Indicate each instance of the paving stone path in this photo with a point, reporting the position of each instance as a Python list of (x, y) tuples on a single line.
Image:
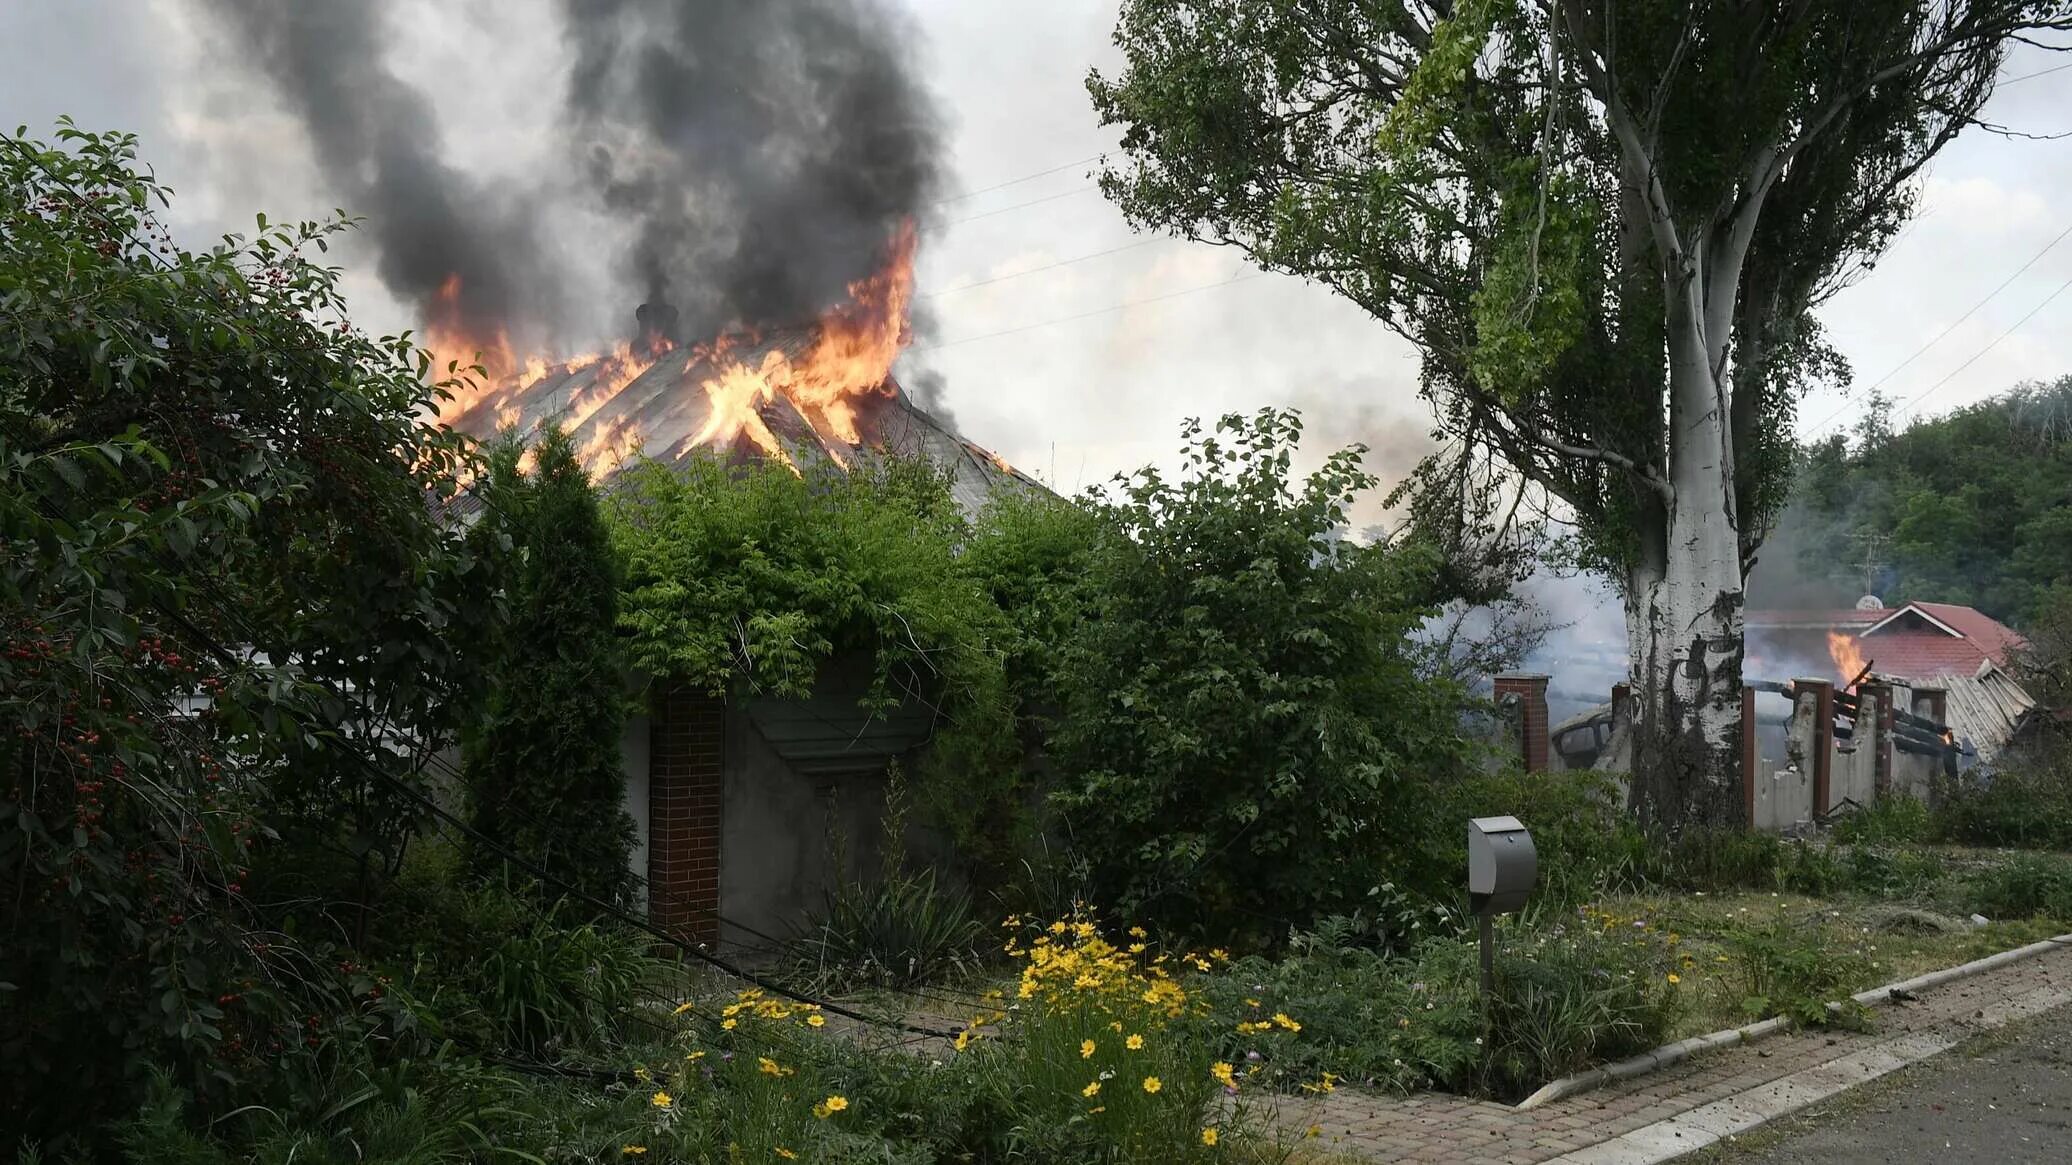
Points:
[(1653, 1117)]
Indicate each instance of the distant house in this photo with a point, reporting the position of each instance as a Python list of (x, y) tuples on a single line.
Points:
[(1926, 647)]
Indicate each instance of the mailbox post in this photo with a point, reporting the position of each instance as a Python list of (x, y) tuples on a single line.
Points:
[(1502, 866)]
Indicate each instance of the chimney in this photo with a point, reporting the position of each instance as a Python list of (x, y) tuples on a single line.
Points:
[(1530, 689)]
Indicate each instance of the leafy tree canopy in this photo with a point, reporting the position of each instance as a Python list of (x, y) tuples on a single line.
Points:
[(1974, 507), (221, 581), (1240, 710)]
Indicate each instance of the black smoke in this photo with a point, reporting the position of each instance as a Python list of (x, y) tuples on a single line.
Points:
[(765, 151), (377, 142), (760, 153)]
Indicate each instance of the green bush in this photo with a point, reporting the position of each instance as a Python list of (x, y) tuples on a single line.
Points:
[(2024, 886), (1586, 841), (1240, 714), (1890, 819), (1570, 992), (898, 930), (2025, 805), (1793, 970)]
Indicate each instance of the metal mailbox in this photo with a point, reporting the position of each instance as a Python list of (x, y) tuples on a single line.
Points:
[(1502, 864)]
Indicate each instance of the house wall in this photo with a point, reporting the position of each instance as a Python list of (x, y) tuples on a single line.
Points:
[(786, 837)]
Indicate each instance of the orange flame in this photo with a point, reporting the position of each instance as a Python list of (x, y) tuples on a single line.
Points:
[(1847, 654), (850, 361)]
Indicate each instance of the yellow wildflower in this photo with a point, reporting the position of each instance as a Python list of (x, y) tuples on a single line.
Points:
[(787, 1154), (1137, 932), (1675, 978), (683, 1007), (1058, 927), (632, 1150), (1134, 1043), (1224, 1074), (641, 1073), (1092, 1089), (1153, 1084), (816, 1020), (728, 1024), (1086, 1049), (1208, 1136), (1282, 1019), (768, 1067), (661, 1100)]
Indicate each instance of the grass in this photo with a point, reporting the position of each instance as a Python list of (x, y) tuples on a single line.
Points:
[(1886, 942)]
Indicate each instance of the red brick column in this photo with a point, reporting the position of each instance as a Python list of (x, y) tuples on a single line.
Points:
[(1751, 759), (686, 739), (1823, 740), (1880, 726), (1531, 691)]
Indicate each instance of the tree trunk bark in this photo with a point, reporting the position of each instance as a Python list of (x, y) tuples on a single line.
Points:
[(1684, 599)]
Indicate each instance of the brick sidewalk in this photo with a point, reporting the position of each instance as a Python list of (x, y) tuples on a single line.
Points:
[(1448, 1130)]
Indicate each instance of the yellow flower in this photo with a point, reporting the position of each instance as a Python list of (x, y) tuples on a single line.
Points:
[(837, 1103), (1208, 1136), (768, 1067), (1153, 1084), (632, 1150), (729, 1023), (1058, 927), (661, 1100), (1675, 978), (787, 1154), (694, 1057), (680, 1009), (641, 1073), (1134, 1043), (1314, 1131), (816, 1020), (1136, 932), (1086, 1049), (1092, 1089), (1224, 1074), (1282, 1019)]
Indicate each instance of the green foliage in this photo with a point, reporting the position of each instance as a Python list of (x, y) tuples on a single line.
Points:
[(1969, 507), (1884, 821), (543, 769), (2024, 886), (1240, 707), (1587, 842), (1788, 969), (1571, 992), (2026, 803), (896, 930), (750, 580), (219, 578)]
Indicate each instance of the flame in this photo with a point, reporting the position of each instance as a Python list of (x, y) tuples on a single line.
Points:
[(1847, 654), (851, 358), (848, 362)]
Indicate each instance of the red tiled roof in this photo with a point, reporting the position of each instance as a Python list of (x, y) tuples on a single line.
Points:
[(1900, 641)]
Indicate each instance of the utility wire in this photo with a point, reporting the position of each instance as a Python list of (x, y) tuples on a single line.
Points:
[(1939, 336), (1023, 205), (1016, 181), (1917, 397), (1144, 242), (1240, 277)]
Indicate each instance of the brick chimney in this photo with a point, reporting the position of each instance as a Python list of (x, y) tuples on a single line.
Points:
[(1530, 690)]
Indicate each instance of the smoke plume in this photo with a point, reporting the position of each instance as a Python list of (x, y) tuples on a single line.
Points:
[(765, 151), (377, 142), (759, 154)]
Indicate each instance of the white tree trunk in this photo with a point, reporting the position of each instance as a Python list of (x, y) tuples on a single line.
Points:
[(1684, 608)]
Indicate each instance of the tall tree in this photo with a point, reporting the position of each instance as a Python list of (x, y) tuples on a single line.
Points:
[(1603, 225), (543, 770)]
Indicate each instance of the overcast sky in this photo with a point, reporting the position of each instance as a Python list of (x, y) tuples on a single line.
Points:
[(1049, 367)]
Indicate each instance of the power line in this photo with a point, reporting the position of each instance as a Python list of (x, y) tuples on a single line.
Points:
[(1916, 398), (1046, 267), (1939, 336), (2034, 75), (1129, 303), (1023, 205), (1015, 181)]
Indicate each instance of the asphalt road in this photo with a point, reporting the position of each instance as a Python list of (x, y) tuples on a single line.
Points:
[(2005, 1097)]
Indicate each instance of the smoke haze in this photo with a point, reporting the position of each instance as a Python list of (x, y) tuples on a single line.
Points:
[(758, 157)]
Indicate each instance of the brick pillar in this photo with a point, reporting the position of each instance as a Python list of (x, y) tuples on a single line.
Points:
[(686, 738), (1751, 757), (1879, 723), (1531, 690), (1823, 693)]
